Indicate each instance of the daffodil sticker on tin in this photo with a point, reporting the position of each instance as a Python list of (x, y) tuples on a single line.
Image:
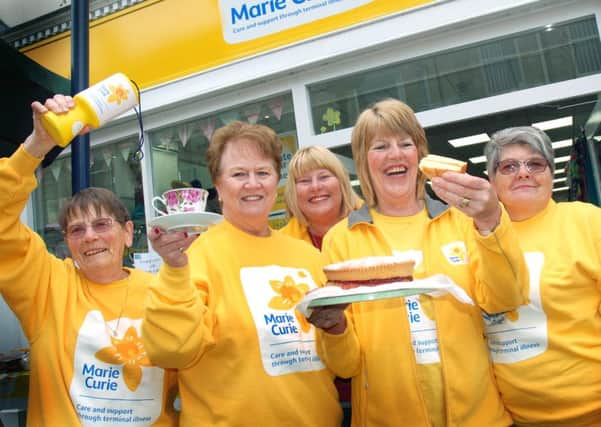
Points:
[(286, 338), (118, 94)]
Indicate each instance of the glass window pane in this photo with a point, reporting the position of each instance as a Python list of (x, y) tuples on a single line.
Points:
[(178, 151), (537, 57)]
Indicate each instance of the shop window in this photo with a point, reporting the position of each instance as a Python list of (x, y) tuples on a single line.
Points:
[(537, 57), (112, 166), (178, 151)]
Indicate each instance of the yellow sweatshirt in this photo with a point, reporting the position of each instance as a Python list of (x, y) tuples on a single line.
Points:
[(547, 354), (84, 370), (376, 349), (228, 322)]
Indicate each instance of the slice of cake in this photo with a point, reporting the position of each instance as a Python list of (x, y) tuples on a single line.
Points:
[(369, 271), (433, 165)]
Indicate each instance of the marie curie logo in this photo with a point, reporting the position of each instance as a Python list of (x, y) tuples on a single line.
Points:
[(244, 20), (114, 384), (455, 252), (286, 338)]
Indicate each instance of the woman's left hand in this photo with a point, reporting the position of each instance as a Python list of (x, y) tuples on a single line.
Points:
[(472, 195)]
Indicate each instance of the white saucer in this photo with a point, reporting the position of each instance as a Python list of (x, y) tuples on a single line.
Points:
[(189, 222)]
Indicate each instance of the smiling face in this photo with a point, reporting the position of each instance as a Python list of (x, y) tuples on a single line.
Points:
[(392, 163), (99, 254), (319, 196), (523, 193), (247, 185)]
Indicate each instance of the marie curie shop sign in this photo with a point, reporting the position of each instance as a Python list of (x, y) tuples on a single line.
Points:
[(248, 20)]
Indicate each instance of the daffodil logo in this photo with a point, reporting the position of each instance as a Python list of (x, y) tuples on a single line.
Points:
[(118, 94), (455, 252), (288, 294), (128, 352)]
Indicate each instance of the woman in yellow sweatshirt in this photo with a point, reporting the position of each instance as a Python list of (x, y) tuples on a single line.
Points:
[(420, 361), (81, 315), (223, 312), (547, 354)]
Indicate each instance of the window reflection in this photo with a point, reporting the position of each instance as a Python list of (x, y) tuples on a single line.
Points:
[(533, 58), (178, 151)]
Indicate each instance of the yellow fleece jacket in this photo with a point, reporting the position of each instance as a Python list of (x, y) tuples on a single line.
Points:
[(547, 354), (81, 372), (294, 229), (228, 322), (376, 349)]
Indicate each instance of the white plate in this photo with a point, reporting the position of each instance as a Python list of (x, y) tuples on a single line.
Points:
[(368, 296), (436, 285), (189, 222)]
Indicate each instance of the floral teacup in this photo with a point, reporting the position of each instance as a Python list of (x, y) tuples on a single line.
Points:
[(181, 200)]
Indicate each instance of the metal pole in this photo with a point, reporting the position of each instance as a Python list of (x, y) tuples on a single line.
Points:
[(80, 80)]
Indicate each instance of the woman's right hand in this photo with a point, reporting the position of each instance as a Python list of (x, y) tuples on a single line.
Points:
[(170, 245), (39, 142), (329, 318)]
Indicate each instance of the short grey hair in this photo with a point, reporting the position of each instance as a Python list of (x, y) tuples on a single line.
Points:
[(533, 137)]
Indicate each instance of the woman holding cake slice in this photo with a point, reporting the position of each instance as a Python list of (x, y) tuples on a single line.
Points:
[(420, 361)]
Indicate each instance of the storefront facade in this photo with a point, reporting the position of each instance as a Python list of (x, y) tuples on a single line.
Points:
[(467, 67)]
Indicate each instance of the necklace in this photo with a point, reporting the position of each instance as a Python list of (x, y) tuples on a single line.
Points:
[(114, 330)]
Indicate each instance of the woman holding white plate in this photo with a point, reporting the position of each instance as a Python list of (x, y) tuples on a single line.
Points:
[(420, 361), (223, 312)]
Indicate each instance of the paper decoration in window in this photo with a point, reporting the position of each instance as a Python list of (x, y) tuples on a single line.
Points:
[(184, 131), (55, 168), (208, 127), (276, 105), (251, 113), (107, 156)]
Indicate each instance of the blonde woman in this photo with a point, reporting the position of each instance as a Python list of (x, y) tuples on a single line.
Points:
[(318, 194)]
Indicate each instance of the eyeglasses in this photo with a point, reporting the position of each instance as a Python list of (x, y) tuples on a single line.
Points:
[(100, 226), (512, 166)]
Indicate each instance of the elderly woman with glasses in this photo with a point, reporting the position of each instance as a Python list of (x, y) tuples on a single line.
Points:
[(81, 315), (547, 354)]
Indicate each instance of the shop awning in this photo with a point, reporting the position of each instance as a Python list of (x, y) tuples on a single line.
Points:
[(21, 82)]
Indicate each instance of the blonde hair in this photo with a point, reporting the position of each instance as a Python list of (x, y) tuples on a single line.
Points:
[(308, 159), (386, 116)]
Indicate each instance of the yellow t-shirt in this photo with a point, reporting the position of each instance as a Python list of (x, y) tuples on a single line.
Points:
[(406, 234)]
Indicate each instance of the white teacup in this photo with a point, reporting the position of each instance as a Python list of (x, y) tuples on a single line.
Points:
[(181, 200)]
